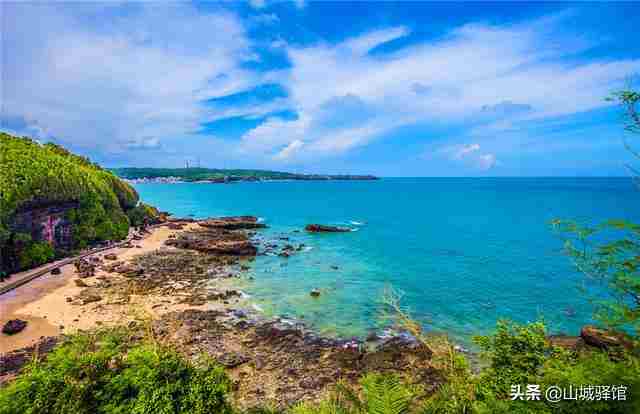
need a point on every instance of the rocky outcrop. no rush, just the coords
(233, 223)
(47, 223)
(215, 241)
(86, 267)
(14, 326)
(572, 343)
(321, 228)
(12, 362)
(604, 339)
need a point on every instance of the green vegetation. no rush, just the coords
(142, 215)
(35, 254)
(103, 373)
(197, 174)
(35, 176)
(106, 372)
(220, 175)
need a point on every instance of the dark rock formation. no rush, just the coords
(12, 362)
(14, 326)
(573, 343)
(233, 223)
(232, 359)
(215, 241)
(56, 271)
(85, 267)
(110, 256)
(315, 293)
(47, 223)
(321, 228)
(604, 339)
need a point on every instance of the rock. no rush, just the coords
(334, 267)
(233, 223)
(372, 337)
(129, 270)
(232, 359)
(85, 268)
(284, 254)
(14, 326)
(176, 226)
(80, 283)
(566, 341)
(86, 297)
(321, 228)
(111, 267)
(110, 256)
(604, 339)
(315, 293)
(258, 363)
(56, 271)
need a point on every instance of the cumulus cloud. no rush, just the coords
(267, 18)
(461, 152)
(144, 73)
(257, 4)
(506, 108)
(486, 161)
(287, 151)
(476, 72)
(465, 154)
(144, 143)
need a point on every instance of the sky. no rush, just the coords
(385, 88)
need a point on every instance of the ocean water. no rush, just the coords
(464, 252)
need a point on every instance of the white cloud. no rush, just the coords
(487, 161)
(287, 151)
(267, 18)
(464, 154)
(363, 44)
(465, 150)
(300, 4)
(145, 73)
(522, 71)
(257, 4)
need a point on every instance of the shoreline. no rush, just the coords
(272, 359)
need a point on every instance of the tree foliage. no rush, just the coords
(33, 175)
(105, 372)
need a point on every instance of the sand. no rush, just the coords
(43, 301)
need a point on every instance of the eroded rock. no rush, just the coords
(14, 326)
(321, 228)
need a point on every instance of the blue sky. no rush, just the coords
(394, 89)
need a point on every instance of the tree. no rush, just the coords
(610, 251)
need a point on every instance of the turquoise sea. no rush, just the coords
(464, 251)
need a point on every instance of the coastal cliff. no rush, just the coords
(54, 202)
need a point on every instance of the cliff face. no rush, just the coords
(48, 224)
(53, 202)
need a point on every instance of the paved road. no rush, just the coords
(44, 269)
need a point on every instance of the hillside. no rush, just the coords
(54, 202)
(223, 175)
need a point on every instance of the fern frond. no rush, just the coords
(386, 394)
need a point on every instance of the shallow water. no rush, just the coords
(465, 251)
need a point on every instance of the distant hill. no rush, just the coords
(222, 175)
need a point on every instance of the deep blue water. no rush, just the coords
(465, 251)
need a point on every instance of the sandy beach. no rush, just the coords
(44, 303)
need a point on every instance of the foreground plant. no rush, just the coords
(105, 372)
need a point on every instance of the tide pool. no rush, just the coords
(464, 251)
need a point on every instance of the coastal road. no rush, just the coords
(32, 274)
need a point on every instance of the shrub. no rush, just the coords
(35, 254)
(104, 372)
